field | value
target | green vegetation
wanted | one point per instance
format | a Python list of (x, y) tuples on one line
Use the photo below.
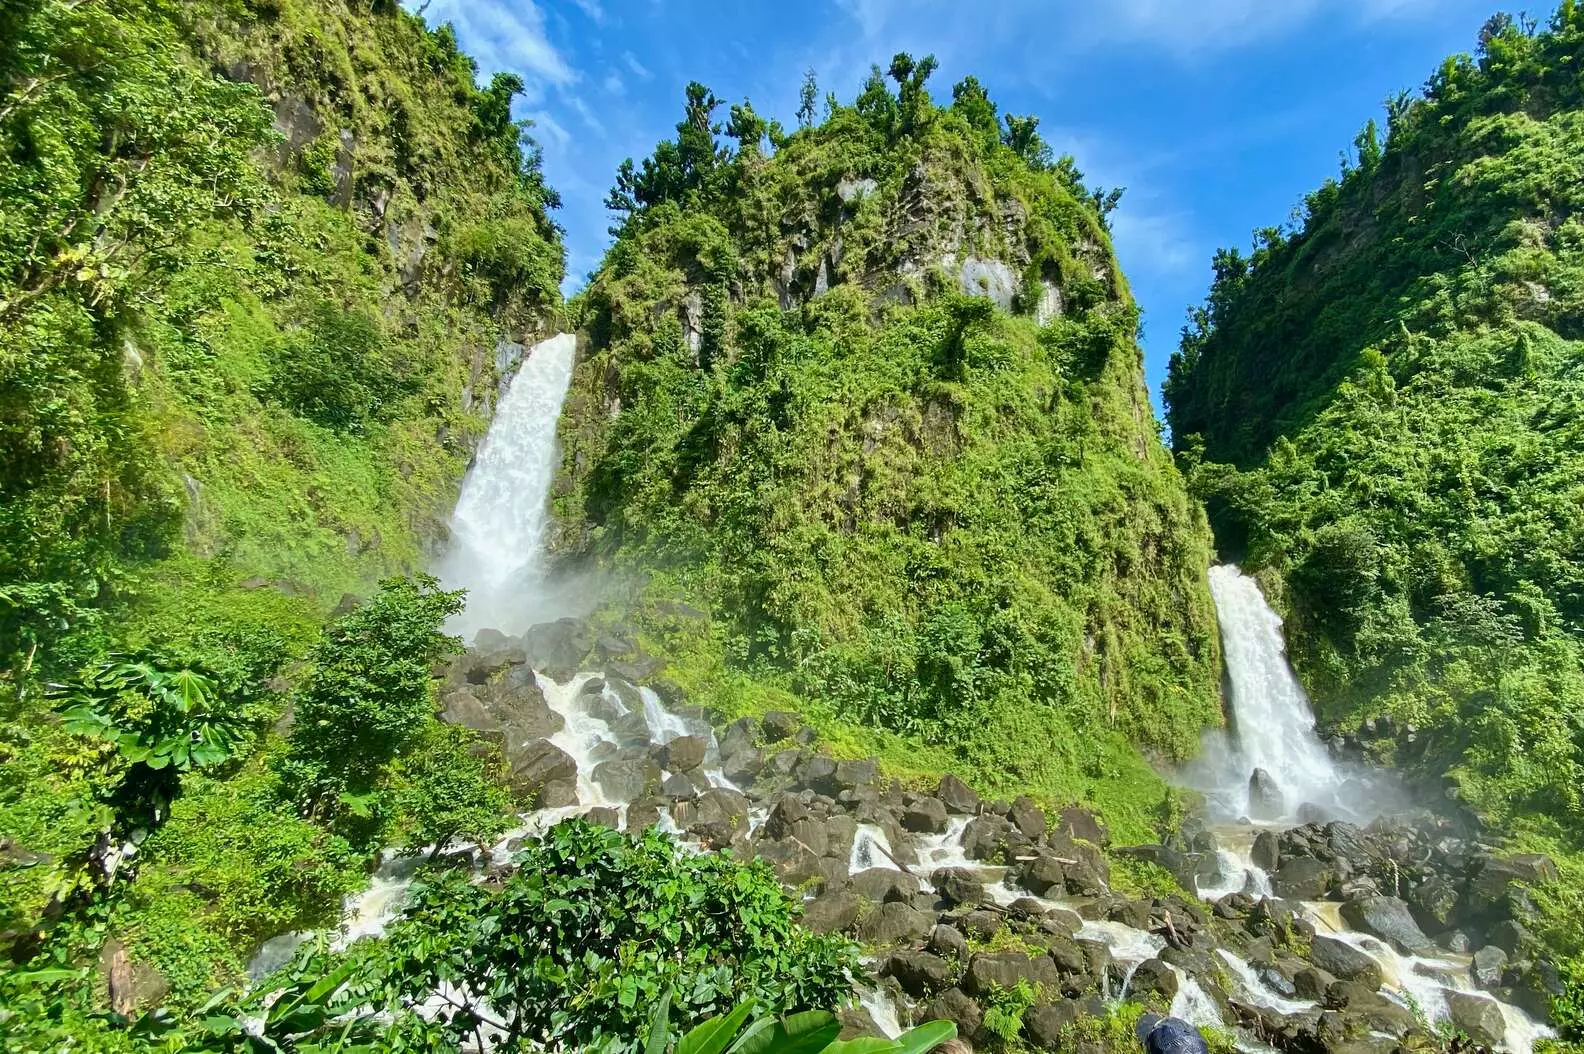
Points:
[(811, 1032), (1381, 408), (938, 529), (245, 349)]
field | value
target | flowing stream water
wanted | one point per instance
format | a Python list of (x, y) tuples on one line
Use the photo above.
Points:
[(496, 553)]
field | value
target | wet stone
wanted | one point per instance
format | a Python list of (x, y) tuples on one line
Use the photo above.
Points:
[(925, 816), (1345, 962), (1477, 1017), (919, 973), (959, 885), (1027, 817), (957, 796)]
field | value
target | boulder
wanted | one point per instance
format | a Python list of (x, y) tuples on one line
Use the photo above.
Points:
[(1509, 936), (537, 766), (1154, 977), (1080, 823), (981, 925), (1043, 1025), (604, 816), (1376, 1011), (833, 912), (1434, 903), (852, 775), (1487, 967), (682, 754), (793, 862), (949, 942), (881, 884), (1478, 1017), (817, 773), (919, 973), (985, 836), (624, 779), (1027, 817), (1345, 962), (1042, 874), (462, 707), (1389, 919), (894, 921), (1266, 801), (991, 972), (779, 725), (1311, 982), (955, 1006), (559, 648), (1266, 852), (1083, 878), (925, 816), (959, 885), (1303, 878), (957, 796), (718, 817), (742, 764)]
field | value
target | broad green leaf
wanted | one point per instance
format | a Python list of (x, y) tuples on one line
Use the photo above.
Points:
[(926, 1037), (805, 1033), (712, 1036), (864, 1045), (660, 1026)]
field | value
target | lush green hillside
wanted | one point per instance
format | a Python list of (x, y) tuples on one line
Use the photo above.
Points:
[(1382, 408), (869, 392), (255, 260)]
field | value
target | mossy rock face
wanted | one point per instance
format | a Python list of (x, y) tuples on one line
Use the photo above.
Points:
[(816, 398)]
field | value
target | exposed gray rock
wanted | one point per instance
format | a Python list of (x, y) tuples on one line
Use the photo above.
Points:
[(1389, 919), (1080, 823), (957, 796), (991, 972), (682, 754), (779, 725), (1154, 977), (1027, 817), (1477, 1017), (1266, 852), (851, 775), (1345, 962), (1311, 982), (1044, 873), (834, 912), (925, 816), (623, 779), (1486, 969), (1043, 1025), (1265, 796), (959, 885), (919, 973), (540, 772), (949, 942), (559, 648), (894, 921), (955, 1006), (1303, 878)]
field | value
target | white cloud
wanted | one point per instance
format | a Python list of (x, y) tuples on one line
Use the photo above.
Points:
[(549, 131), (503, 37), (593, 10), (636, 66), (613, 84), (1220, 25), (1158, 242), (581, 109)]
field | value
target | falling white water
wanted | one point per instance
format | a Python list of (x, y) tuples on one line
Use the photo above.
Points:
[(1273, 728), (870, 848), (497, 530), (882, 1010)]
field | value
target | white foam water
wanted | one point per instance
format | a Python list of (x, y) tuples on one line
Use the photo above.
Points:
[(498, 528)]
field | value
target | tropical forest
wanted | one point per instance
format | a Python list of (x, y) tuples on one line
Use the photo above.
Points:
[(802, 632)]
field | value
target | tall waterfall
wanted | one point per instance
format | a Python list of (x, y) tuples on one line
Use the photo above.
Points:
[(497, 530), (1273, 728)]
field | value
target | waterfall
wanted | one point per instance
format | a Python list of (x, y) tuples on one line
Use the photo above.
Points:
[(1272, 725), (497, 530)]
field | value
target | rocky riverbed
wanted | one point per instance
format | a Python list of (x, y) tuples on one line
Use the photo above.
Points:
[(1325, 935)]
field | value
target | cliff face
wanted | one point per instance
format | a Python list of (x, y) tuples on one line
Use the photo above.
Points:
[(1380, 409), (873, 398), (259, 258)]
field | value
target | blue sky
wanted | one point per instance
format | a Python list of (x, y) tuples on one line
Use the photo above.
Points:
[(1216, 115)]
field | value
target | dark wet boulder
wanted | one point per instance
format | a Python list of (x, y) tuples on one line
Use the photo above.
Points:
[(895, 921), (958, 1007), (1311, 982), (853, 775), (542, 773), (1374, 1009), (1068, 956), (987, 836), (817, 773), (623, 779), (992, 972), (1083, 878), (678, 787), (1478, 1017), (1234, 907), (1434, 903), (924, 816), (957, 796), (959, 885), (1154, 977), (791, 820), (1303, 878), (1043, 1025), (1027, 817), (1510, 936), (1266, 801), (1389, 919), (718, 817), (682, 754), (559, 648), (981, 925), (1266, 851), (793, 862), (1042, 874), (1345, 962), (919, 973)]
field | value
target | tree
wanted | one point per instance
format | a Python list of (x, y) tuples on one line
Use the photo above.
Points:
[(913, 104), (747, 127), (371, 691), (589, 933), (1023, 138), (970, 99), (806, 96), (446, 788)]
